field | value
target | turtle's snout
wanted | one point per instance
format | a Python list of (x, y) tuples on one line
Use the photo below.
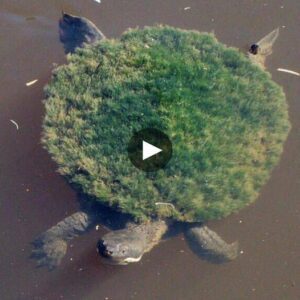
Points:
[(102, 250)]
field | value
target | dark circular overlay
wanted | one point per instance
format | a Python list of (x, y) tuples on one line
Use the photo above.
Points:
[(156, 138)]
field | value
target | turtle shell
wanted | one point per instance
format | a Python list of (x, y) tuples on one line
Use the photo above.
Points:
[(226, 118)]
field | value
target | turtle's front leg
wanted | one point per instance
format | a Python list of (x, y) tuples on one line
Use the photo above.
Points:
[(209, 245), (51, 246)]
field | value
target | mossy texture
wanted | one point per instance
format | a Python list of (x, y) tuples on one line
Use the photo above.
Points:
[(226, 118)]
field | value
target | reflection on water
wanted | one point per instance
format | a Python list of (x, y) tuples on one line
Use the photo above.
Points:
[(33, 197)]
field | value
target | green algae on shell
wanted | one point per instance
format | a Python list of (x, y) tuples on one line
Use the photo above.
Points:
[(225, 116)]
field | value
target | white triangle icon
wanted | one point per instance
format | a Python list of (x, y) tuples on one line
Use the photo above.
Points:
[(149, 150)]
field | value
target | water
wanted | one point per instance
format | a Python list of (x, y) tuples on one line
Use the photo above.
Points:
[(33, 196)]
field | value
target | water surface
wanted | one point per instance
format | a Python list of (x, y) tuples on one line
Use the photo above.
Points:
[(33, 196)]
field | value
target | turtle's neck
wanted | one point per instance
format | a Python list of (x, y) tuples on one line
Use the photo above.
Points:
[(152, 231)]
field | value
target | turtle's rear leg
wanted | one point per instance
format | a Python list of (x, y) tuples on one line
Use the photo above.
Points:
[(51, 246), (76, 31), (209, 245)]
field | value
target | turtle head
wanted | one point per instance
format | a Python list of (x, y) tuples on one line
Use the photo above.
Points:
[(121, 247), (76, 31)]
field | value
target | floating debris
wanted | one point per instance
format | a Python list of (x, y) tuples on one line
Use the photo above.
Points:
[(98, 1), (288, 71), (15, 123), (187, 8), (31, 82), (165, 203), (293, 283)]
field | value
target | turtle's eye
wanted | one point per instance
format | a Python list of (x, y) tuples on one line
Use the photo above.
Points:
[(124, 250)]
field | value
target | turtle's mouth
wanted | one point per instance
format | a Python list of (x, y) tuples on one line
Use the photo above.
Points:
[(118, 261)]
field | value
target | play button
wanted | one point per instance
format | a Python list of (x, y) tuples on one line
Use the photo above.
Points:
[(149, 149)]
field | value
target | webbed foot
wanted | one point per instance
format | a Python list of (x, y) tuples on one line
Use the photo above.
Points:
[(76, 31), (48, 252)]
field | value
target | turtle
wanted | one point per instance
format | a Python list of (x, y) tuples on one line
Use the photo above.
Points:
[(134, 232)]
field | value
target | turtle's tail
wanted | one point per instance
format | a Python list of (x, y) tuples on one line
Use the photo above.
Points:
[(51, 246)]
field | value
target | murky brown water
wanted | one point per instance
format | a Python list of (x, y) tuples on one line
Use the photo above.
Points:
[(34, 197)]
